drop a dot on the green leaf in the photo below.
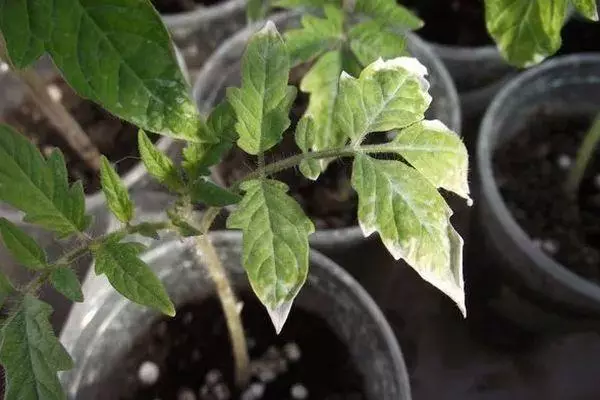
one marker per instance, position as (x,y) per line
(148,230)
(304,3)
(38,187)
(22,247)
(387,95)
(587,8)
(275,244)
(321,82)
(116,194)
(412,220)
(388,12)
(204,191)
(31,354)
(6,288)
(316,36)
(262,103)
(130,276)
(199,157)
(526,31)
(437,153)
(370,41)
(119,54)
(25,25)
(257,10)
(65,281)
(158,164)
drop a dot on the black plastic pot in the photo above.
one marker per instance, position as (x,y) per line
(513,275)
(103,328)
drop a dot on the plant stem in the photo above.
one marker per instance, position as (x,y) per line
(57,114)
(584,156)
(229,304)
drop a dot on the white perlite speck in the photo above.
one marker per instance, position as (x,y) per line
(3,67)
(299,392)
(186,394)
(213,377)
(54,92)
(564,161)
(292,351)
(550,246)
(148,373)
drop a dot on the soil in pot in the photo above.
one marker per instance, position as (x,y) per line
(189,357)
(180,6)
(531,170)
(114,138)
(452,22)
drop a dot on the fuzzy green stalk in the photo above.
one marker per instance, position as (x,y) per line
(584,156)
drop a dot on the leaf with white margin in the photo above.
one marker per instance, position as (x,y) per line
(437,153)
(412,219)
(526,31)
(275,244)
(387,95)
(263,102)
(587,8)
(322,82)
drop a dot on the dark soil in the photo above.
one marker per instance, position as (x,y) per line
(179,6)
(193,354)
(452,22)
(116,139)
(580,36)
(530,177)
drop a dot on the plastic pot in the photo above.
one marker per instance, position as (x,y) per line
(102,329)
(223,70)
(520,281)
(13,93)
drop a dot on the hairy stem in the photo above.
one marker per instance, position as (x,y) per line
(584,156)
(56,114)
(229,304)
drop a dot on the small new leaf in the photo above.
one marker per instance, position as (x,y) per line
(22,247)
(412,220)
(158,164)
(275,244)
(316,36)
(65,281)
(38,187)
(370,41)
(389,13)
(263,102)
(387,95)
(526,31)
(31,354)
(204,191)
(437,153)
(116,194)
(130,276)
(321,82)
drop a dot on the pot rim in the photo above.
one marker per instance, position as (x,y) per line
(463,53)
(202,14)
(85,313)
(491,193)
(325,238)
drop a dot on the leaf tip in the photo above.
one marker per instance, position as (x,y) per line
(279,315)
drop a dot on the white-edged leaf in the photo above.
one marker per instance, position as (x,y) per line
(321,82)
(22,247)
(263,102)
(526,31)
(117,197)
(39,187)
(158,164)
(412,219)
(316,36)
(437,153)
(275,244)
(387,95)
(65,281)
(31,354)
(130,276)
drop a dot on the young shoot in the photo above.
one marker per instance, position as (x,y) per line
(585,154)
(398,194)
